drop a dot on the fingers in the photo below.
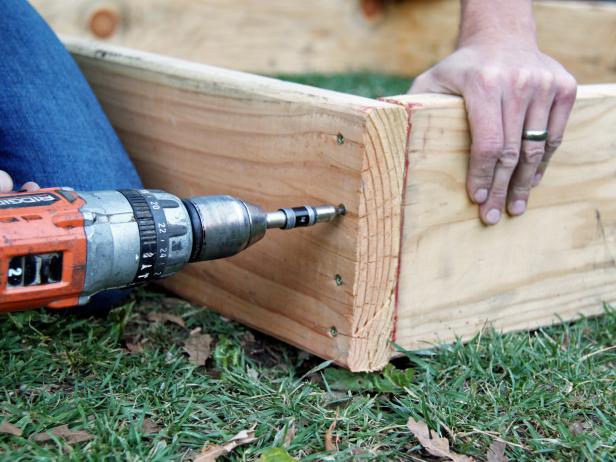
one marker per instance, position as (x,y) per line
(532,152)
(503,168)
(30,186)
(484,108)
(514,108)
(566,91)
(529,91)
(6,183)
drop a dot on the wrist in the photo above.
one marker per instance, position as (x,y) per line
(497,21)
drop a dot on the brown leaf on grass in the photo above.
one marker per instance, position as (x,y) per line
(565,342)
(331,443)
(198,348)
(62,431)
(211,452)
(252,374)
(10,429)
(134,347)
(291,432)
(155,316)
(496,452)
(149,426)
(578,428)
(248,339)
(195,331)
(172,302)
(434,444)
(284,437)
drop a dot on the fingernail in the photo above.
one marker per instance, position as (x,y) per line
(517,207)
(481,195)
(493,216)
(537,179)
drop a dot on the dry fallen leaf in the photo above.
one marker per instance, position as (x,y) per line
(172,302)
(134,347)
(252,374)
(210,453)
(435,445)
(10,429)
(149,426)
(155,316)
(198,348)
(62,431)
(285,435)
(578,428)
(291,432)
(248,339)
(195,331)
(496,452)
(330,442)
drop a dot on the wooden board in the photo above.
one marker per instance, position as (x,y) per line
(338,290)
(554,263)
(194,130)
(298,36)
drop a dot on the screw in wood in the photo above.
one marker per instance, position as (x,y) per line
(338,280)
(340,138)
(333,331)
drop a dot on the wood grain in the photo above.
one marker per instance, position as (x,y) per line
(556,262)
(194,130)
(299,36)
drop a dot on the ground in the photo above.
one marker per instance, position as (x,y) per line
(549,394)
(129,386)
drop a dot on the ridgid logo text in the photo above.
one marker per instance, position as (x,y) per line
(28,200)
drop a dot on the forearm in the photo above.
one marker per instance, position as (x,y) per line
(508,21)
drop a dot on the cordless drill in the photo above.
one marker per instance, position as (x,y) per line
(58,247)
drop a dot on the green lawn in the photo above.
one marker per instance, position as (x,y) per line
(549,395)
(362,84)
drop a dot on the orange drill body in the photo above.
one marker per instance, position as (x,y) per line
(42,249)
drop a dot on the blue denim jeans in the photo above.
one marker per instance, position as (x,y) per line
(52,129)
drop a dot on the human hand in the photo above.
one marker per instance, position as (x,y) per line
(508,86)
(6,184)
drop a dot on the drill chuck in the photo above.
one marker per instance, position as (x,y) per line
(224,225)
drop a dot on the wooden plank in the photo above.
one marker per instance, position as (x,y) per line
(581,36)
(193,129)
(554,263)
(298,36)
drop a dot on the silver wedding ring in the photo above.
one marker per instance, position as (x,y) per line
(535,135)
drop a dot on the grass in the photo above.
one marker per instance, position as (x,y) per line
(361,84)
(550,394)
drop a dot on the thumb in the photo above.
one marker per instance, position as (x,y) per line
(6,183)
(427,83)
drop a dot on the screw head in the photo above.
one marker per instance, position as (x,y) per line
(340,138)
(333,331)
(338,280)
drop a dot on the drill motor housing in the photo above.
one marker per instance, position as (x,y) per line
(59,247)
